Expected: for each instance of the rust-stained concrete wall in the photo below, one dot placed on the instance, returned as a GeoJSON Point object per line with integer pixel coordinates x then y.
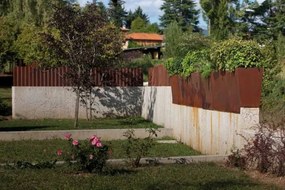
{"type": "Point", "coordinates": [211, 132]}
{"type": "Point", "coordinates": [59, 102]}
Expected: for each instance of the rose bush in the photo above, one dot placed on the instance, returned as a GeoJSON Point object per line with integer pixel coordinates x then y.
{"type": "Point", "coordinates": [90, 155]}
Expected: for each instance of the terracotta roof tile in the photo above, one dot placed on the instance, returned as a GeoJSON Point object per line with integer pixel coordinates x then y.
{"type": "Point", "coordinates": [144, 36]}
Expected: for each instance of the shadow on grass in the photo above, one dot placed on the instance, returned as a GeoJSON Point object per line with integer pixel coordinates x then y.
{"type": "Point", "coordinates": [23, 128]}
{"type": "Point", "coordinates": [218, 184]}
{"type": "Point", "coordinates": [119, 171]}
{"type": "Point", "coordinates": [133, 121]}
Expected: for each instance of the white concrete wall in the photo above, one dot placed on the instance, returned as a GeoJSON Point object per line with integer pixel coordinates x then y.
{"type": "Point", "coordinates": [59, 102]}
{"type": "Point", "coordinates": [211, 132]}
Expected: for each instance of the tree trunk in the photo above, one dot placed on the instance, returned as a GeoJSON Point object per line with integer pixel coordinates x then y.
{"type": "Point", "coordinates": [76, 109]}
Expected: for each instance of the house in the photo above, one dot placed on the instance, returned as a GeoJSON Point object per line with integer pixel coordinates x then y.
{"type": "Point", "coordinates": [143, 39]}
{"type": "Point", "coordinates": [147, 43]}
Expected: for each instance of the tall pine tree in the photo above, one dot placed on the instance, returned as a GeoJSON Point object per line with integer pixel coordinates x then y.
{"type": "Point", "coordinates": [181, 11]}
{"type": "Point", "coordinates": [117, 13]}
{"type": "Point", "coordinates": [131, 16]}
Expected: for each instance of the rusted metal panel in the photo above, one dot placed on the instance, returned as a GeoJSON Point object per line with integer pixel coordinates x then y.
{"type": "Point", "coordinates": [222, 91]}
{"type": "Point", "coordinates": [195, 90]}
{"type": "Point", "coordinates": [225, 95]}
{"type": "Point", "coordinates": [34, 76]}
{"type": "Point", "coordinates": [175, 82]}
{"type": "Point", "coordinates": [206, 93]}
{"type": "Point", "coordinates": [158, 76]}
{"type": "Point", "coordinates": [249, 82]}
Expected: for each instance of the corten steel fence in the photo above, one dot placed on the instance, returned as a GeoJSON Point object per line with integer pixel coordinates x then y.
{"type": "Point", "coordinates": [35, 76]}
{"type": "Point", "coordinates": [222, 91]}
{"type": "Point", "coordinates": [158, 76]}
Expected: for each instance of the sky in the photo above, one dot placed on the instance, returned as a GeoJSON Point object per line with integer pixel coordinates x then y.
{"type": "Point", "coordinates": [150, 7]}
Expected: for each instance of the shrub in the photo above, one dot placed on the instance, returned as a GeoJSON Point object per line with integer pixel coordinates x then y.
{"type": "Point", "coordinates": [265, 151]}
{"type": "Point", "coordinates": [4, 108]}
{"type": "Point", "coordinates": [197, 61]}
{"type": "Point", "coordinates": [173, 65]}
{"type": "Point", "coordinates": [193, 41]}
{"type": "Point", "coordinates": [233, 53]}
{"type": "Point", "coordinates": [273, 101]}
{"type": "Point", "coordinates": [130, 55]}
{"type": "Point", "coordinates": [90, 155]}
{"type": "Point", "coordinates": [136, 148]}
{"type": "Point", "coordinates": [236, 159]}
{"type": "Point", "coordinates": [144, 62]}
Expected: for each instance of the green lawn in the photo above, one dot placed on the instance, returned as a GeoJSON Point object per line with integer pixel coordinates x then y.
{"type": "Point", "coordinates": [36, 150]}
{"type": "Point", "coordinates": [6, 97]}
{"type": "Point", "coordinates": [67, 124]}
{"type": "Point", "coordinates": [163, 177]}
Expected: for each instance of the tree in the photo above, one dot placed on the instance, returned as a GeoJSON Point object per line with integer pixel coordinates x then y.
{"type": "Point", "coordinates": [131, 16]}
{"type": "Point", "coordinates": [117, 13]}
{"type": "Point", "coordinates": [17, 16]}
{"type": "Point", "coordinates": [181, 11]}
{"type": "Point", "coordinates": [138, 25]}
{"type": "Point", "coordinates": [173, 37]}
{"type": "Point", "coordinates": [220, 16]}
{"type": "Point", "coordinates": [84, 39]}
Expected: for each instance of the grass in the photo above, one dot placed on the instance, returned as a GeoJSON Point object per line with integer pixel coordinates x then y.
{"type": "Point", "coordinates": [193, 176]}
{"type": "Point", "coordinates": [6, 96]}
{"type": "Point", "coordinates": [36, 150]}
{"type": "Point", "coordinates": [67, 124]}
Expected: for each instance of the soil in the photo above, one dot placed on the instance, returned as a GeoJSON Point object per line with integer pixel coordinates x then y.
{"type": "Point", "coordinates": [267, 178]}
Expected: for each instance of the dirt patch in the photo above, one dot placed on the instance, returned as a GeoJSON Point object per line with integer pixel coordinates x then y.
{"type": "Point", "coordinates": [267, 178]}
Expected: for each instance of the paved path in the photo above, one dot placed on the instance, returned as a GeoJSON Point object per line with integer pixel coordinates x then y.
{"type": "Point", "coordinates": [105, 134]}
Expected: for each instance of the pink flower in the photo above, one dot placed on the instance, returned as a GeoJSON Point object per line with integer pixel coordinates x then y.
{"type": "Point", "coordinates": [93, 137]}
{"type": "Point", "coordinates": [59, 152]}
{"type": "Point", "coordinates": [75, 142]}
{"type": "Point", "coordinates": [94, 140]}
{"type": "Point", "coordinates": [91, 156]}
{"type": "Point", "coordinates": [67, 136]}
{"type": "Point", "coordinates": [98, 144]}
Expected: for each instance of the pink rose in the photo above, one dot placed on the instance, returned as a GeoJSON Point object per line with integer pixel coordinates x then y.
{"type": "Point", "coordinates": [94, 140]}
{"type": "Point", "coordinates": [93, 137]}
{"type": "Point", "coordinates": [99, 144]}
{"type": "Point", "coordinates": [75, 142]}
{"type": "Point", "coordinates": [67, 136]}
{"type": "Point", "coordinates": [59, 152]}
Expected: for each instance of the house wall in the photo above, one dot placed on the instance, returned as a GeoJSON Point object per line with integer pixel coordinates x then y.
{"type": "Point", "coordinates": [147, 42]}
{"type": "Point", "coordinates": [211, 132]}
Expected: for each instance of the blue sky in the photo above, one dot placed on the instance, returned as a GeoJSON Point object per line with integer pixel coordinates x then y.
{"type": "Point", "coordinates": [150, 7]}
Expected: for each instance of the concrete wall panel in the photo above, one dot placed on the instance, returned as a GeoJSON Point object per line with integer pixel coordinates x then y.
{"type": "Point", "coordinates": [211, 132]}
{"type": "Point", "coordinates": [59, 102]}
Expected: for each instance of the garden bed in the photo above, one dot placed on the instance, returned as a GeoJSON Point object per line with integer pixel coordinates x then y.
{"type": "Point", "coordinates": [35, 150]}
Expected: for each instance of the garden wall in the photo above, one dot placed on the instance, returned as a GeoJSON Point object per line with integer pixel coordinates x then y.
{"type": "Point", "coordinates": [209, 131]}
{"type": "Point", "coordinates": [59, 102]}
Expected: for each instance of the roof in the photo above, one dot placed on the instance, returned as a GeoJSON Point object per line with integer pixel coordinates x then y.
{"type": "Point", "coordinates": [144, 36]}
